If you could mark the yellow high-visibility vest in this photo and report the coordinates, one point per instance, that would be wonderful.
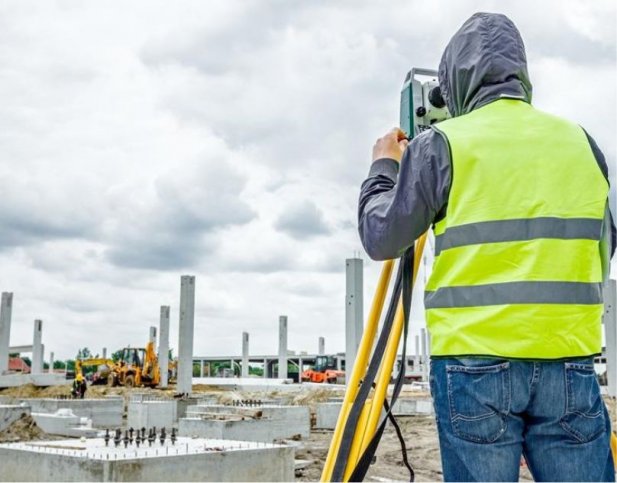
(518, 272)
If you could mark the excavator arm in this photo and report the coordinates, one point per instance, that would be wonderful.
(94, 361)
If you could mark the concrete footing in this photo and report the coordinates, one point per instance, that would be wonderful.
(412, 407)
(326, 415)
(65, 423)
(248, 384)
(186, 460)
(183, 404)
(146, 414)
(260, 423)
(9, 413)
(104, 413)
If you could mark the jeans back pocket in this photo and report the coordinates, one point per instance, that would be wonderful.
(584, 416)
(479, 398)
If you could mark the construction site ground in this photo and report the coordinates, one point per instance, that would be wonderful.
(420, 431)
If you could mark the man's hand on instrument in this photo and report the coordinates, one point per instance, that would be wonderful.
(391, 145)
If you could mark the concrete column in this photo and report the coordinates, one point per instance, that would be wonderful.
(353, 311)
(201, 368)
(610, 333)
(185, 334)
(164, 345)
(245, 354)
(51, 362)
(282, 347)
(104, 352)
(6, 309)
(416, 360)
(37, 361)
(265, 375)
(152, 336)
(321, 346)
(424, 354)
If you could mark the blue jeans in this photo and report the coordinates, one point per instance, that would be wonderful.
(490, 412)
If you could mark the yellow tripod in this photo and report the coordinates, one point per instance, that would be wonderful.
(373, 406)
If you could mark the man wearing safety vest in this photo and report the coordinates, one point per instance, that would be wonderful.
(517, 200)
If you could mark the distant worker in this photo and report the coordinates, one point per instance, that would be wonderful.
(517, 199)
(79, 387)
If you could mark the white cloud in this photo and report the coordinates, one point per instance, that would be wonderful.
(144, 140)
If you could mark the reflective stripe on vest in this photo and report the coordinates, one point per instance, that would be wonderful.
(517, 270)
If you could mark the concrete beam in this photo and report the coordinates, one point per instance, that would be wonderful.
(19, 349)
(282, 373)
(185, 334)
(164, 345)
(37, 348)
(610, 333)
(321, 346)
(354, 316)
(6, 310)
(245, 354)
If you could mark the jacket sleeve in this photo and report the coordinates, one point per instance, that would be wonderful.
(395, 208)
(609, 233)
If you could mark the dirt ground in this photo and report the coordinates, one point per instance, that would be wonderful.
(422, 449)
(24, 429)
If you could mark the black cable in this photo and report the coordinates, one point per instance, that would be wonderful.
(406, 274)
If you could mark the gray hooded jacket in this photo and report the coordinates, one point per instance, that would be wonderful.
(484, 61)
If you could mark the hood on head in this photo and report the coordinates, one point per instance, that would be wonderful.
(484, 60)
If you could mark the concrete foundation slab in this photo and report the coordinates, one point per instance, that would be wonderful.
(258, 430)
(65, 423)
(146, 414)
(264, 423)
(412, 407)
(104, 413)
(186, 460)
(9, 413)
(183, 404)
(248, 383)
(299, 416)
(326, 414)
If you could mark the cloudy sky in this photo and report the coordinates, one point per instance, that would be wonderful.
(140, 141)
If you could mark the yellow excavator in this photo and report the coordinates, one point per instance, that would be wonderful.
(102, 373)
(136, 367)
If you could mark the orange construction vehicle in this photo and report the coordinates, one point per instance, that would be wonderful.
(324, 370)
